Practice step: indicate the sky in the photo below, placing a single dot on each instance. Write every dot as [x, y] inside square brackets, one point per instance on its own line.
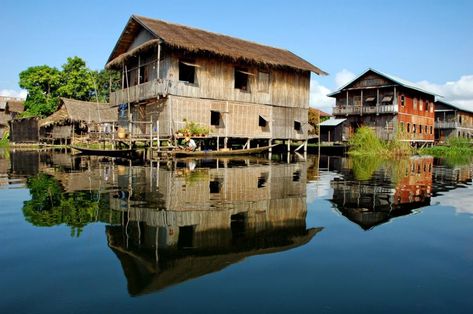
[427, 42]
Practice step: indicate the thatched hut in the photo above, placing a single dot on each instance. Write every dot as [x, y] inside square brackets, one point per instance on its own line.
[9, 109]
[77, 119]
[236, 89]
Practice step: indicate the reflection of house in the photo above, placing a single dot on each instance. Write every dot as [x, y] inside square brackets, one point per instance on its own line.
[388, 105]
[452, 120]
[76, 119]
[9, 109]
[183, 224]
[389, 193]
[447, 178]
[240, 89]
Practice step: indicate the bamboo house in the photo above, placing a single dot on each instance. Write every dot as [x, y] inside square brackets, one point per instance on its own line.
[77, 120]
[234, 90]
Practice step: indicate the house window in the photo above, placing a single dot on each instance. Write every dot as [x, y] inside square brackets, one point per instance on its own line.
[425, 130]
[262, 122]
[414, 128]
[215, 186]
[297, 125]
[431, 129]
[415, 103]
[187, 72]
[420, 129]
[263, 82]
[421, 105]
[408, 128]
[214, 118]
[403, 100]
[427, 105]
[242, 79]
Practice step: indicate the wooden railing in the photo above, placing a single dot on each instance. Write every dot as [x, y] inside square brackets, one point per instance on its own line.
[357, 110]
[446, 124]
[140, 92]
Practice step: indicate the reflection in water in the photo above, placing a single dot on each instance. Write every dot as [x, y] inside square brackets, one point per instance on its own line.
[170, 222]
[394, 189]
[179, 223]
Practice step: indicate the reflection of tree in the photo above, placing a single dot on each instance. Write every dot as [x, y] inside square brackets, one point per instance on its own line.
[364, 166]
[50, 206]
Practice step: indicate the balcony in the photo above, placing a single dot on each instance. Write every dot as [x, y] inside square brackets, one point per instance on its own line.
[359, 110]
[140, 92]
[446, 124]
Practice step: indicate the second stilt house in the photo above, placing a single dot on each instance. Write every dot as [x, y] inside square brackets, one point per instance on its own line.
[232, 89]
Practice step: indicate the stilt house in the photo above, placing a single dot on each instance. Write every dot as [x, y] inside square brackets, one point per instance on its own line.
[236, 89]
[389, 105]
[452, 120]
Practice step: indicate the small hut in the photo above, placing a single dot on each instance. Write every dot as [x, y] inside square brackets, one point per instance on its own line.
[78, 120]
[9, 109]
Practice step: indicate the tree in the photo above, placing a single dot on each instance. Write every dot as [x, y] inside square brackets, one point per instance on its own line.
[75, 80]
[42, 83]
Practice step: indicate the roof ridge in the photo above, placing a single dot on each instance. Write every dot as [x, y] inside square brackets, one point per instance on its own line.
[209, 32]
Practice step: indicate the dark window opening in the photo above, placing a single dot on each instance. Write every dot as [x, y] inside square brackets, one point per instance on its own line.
[215, 186]
[262, 122]
[186, 72]
[214, 118]
[238, 225]
[408, 128]
[297, 126]
[143, 74]
[262, 180]
[241, 79]
[296, 176]
[403, 100]
[186, 237]
[420, 129]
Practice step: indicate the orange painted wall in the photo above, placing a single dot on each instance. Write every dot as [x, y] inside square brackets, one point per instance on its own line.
[410, 116]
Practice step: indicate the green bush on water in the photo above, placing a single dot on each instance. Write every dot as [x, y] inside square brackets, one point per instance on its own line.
[457, 150]
[4, 140]
[366, 142]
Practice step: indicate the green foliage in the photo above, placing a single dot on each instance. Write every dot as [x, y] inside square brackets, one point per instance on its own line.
[42, 83]
[75, 80]
[365, 142]
[363, 167]
[50, 206]
[457, 151]
[4, 140]
[193, 128]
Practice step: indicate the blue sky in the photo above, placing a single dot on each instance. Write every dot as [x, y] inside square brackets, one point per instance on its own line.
[428, 42]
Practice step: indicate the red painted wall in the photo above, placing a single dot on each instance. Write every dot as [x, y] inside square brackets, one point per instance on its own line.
[416, 119]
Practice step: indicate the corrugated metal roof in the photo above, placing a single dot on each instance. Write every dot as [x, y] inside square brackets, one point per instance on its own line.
[332, 122]
[456, 106]
[393, 78]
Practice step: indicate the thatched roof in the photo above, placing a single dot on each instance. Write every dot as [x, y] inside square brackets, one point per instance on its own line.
[200, 41]
[71, 110]
[15, 106]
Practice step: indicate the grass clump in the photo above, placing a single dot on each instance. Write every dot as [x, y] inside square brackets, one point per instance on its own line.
[457, 150]
[4, 141]
[365, 142]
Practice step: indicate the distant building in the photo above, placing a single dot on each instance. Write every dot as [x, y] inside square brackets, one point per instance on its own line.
[238, 89]
[331, 130]
[452, 120]
[388, 105]
[9, 108]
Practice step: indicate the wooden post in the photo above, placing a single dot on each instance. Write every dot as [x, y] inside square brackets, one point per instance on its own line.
[218, 143]
[288, 146]
[158, 63]
[225, 140]
[157, 134]
[139, 69]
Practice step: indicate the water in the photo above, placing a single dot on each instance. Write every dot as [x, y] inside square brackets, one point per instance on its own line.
[335, 235]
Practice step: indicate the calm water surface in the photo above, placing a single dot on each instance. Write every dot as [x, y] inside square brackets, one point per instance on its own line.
[335, 235]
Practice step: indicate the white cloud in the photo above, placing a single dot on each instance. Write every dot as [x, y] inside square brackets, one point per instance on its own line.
[14, 93]
[318, 97]
[458, 92]
[343, 77]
